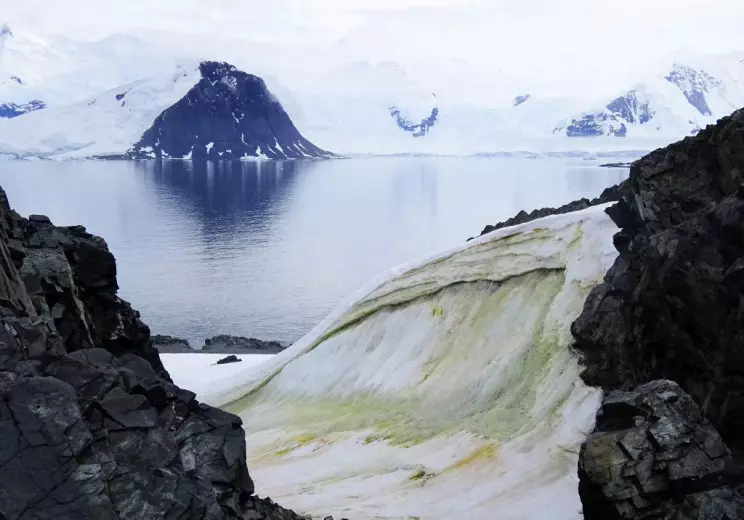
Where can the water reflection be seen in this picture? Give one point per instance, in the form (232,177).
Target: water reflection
(268,249)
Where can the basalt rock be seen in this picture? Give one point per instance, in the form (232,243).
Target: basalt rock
(672,305)
(653,455)
(90,426)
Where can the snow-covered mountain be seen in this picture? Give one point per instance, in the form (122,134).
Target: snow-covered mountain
(209,110)
(669,106)
(62,97)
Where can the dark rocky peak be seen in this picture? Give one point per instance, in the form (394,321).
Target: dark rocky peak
(630,109)
(520,99)
(5,31)
(694,84)
(228,114)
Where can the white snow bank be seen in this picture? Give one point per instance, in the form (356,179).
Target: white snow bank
(443,389)
(198,372)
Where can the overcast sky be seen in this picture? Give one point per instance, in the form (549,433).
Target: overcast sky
(554,38)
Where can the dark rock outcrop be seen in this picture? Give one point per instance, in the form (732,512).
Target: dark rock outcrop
(611,194)
(519,100)
(227,115)
(672,305)
(90,426)
(70,276)
(171,345)
(238,345)
(653,455)
(229,359)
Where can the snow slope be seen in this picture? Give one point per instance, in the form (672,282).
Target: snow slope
(106,124)
(443,389)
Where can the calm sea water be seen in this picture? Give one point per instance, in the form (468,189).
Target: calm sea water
(268,249)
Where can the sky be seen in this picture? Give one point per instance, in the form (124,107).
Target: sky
(567,42)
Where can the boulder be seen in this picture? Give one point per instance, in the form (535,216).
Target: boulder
(653,455)
(229,359)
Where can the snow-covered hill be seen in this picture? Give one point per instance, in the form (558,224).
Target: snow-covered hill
(203,110)
(444,389)
(668,106)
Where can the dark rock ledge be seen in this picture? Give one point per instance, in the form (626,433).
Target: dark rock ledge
(91,427)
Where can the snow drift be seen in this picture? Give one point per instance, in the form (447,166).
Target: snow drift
(444,389)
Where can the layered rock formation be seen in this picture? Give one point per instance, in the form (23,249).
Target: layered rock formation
(90,425)
(654,455)
(671,307)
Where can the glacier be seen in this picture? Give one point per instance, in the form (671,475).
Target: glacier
(444,388)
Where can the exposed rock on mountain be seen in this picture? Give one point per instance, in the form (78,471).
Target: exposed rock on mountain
(228,114)
(521,99)
(694,84)
(671,307)
(654,455)
(90,425)
(8,110)
(238,345)
(419,129)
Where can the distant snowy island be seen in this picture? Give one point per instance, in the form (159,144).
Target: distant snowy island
(120,97)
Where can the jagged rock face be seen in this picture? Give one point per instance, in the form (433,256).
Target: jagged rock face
(94,433)
(70,276)
(653,455)
(694,84)
(519,100)
(9,110)
(228,114)
(672,305)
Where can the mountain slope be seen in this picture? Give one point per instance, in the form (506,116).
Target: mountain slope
(673,105)
(128,120)
(228,114)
